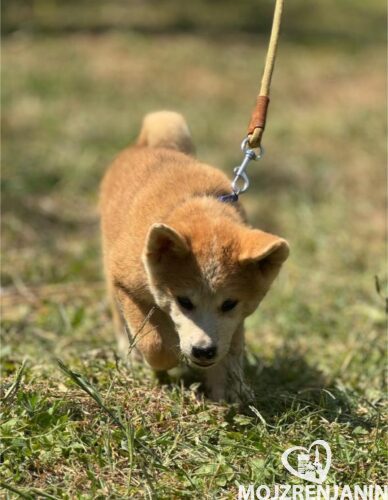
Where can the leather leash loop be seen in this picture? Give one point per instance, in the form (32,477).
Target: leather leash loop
(258,119)
(259,114)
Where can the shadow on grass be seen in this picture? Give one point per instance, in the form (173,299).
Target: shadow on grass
(290,386)
(285,389)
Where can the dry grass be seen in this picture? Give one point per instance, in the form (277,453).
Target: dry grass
(316,347)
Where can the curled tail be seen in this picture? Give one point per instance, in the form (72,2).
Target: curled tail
(166,129)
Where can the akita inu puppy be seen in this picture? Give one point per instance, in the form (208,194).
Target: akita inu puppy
(183,268)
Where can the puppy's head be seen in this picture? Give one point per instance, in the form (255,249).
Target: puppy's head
(209,277)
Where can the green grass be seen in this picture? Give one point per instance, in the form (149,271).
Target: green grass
(316,348)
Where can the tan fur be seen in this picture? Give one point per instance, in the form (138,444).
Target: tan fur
(165,234)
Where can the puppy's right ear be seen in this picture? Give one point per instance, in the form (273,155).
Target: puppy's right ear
(265,250)
(163,240)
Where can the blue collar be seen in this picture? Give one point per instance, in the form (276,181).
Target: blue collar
(228,198)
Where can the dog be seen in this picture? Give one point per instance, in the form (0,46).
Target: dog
(183,267)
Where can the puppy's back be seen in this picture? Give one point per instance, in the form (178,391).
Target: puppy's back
(147,181)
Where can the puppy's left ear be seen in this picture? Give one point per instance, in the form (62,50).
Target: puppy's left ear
(265,250)
(163,240)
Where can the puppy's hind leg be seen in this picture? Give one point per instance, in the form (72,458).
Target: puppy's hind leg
(118,321)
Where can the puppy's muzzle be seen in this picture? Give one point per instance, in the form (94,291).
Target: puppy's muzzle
(203,356)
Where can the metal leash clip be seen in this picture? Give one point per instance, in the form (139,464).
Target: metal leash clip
(240,176)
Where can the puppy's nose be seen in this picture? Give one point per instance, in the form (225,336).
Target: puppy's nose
(204,352)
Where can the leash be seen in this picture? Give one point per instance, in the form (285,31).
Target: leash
(251,145)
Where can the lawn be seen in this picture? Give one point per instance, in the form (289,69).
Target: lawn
(74,92)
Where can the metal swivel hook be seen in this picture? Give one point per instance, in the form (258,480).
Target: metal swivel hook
(240,182)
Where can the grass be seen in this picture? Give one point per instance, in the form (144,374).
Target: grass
(93,427)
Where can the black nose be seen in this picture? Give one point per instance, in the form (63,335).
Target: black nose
(204,352)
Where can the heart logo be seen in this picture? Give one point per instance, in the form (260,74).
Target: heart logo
(309,469)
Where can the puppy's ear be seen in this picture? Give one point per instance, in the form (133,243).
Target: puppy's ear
(163,240)
(265,250)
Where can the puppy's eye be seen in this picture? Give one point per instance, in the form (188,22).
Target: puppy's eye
(228,305)
(186,303)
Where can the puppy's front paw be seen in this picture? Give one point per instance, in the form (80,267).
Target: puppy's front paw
(216,393)
(236,392)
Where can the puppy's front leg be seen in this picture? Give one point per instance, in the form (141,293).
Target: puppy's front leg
(225,381)
(152,331)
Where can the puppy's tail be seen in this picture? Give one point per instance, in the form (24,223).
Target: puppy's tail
(166,129)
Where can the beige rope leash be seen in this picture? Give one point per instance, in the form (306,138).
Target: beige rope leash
(251,145)
(257,123)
